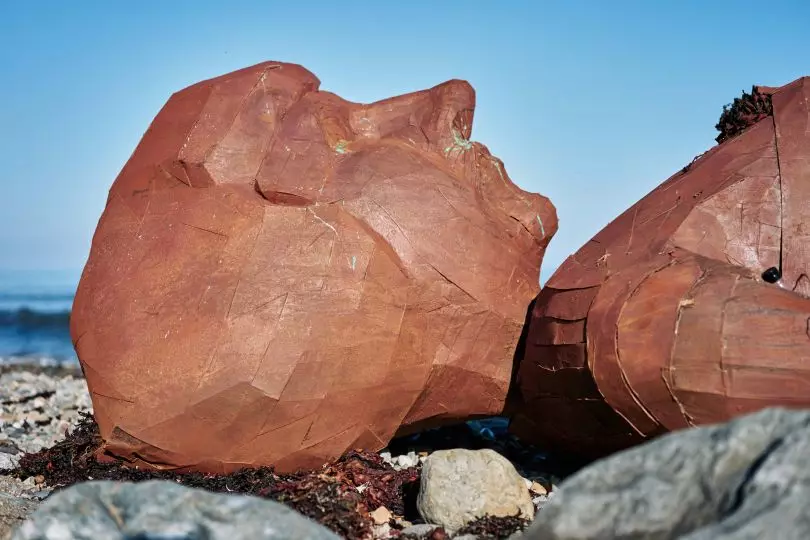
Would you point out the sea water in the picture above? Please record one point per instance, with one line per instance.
(35, 316)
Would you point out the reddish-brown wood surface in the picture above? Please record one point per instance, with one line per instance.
(663, 319)
(281, 275)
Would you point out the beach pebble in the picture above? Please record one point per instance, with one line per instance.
(381, 515)
(539, 501)
(382, 531)
(8, 461)
(14, 487)
(405, 461)
(537, 488)
(459, 486)
(421, 529)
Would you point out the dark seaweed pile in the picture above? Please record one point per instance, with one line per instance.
(495, 527)
(485, 528)
(746, 111)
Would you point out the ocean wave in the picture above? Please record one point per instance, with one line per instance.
(40, 361)
(31, 319)
(36, 297)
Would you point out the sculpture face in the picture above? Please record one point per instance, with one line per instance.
(663, 320)
(281, 275)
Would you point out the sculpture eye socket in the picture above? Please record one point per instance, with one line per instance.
(772, 275)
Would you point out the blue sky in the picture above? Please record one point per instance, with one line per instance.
(591, 103)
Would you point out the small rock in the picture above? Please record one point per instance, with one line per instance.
(7, 461)
(8, 447)
(422, 529)
(402, 523)
(39, 419)
(459, 486)
(14, 487)
(42, 494)
(381, 515)
(163, 509)
(382, 530)
(539, 502)
(39, 403)
(538, 488)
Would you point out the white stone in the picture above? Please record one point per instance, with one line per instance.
(459, 486)
(7, 461)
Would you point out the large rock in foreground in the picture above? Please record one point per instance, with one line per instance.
(280, 275)
(163, 510)
(745, 480)
(692, 306)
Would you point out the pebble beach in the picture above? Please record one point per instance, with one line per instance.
(39, 404)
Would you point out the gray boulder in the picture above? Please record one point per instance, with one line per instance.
(458, 486)
(747, 479)
(163, 510)
(13, 511)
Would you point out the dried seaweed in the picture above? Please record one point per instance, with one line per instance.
(333, 505)
(495, 527)
(743, 113)
(380, 484)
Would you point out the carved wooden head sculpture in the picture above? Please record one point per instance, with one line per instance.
(281, 275)
(691, 307)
